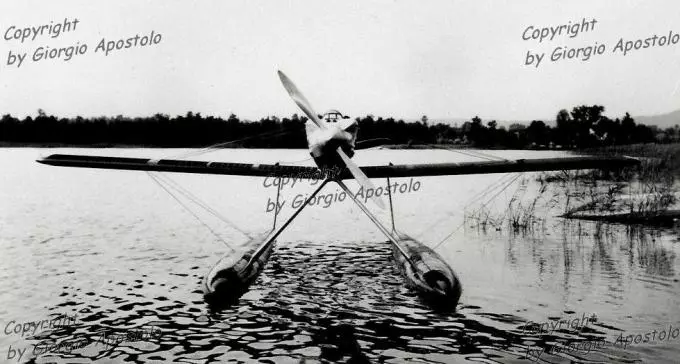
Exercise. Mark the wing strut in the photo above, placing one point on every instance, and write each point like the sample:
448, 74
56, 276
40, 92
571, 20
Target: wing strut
389, 193
276, 207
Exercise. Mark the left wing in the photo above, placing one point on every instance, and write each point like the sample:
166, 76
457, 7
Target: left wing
182, 166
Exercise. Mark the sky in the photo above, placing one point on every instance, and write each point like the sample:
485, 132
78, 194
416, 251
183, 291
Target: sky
443, 59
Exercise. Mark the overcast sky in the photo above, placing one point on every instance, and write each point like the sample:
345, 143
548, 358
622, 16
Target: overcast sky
446, 59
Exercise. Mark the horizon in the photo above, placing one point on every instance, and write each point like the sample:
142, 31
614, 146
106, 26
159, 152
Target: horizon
449, 121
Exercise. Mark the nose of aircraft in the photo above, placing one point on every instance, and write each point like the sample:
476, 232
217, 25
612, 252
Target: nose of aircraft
342, 135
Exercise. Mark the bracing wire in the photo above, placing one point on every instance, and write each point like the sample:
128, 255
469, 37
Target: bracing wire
507, 209
193, 198
479, 195
297, 161
486, 155
508, 184
475, 198
214, 147
467, 153
166, 182
155, 179
474, 153
488, 190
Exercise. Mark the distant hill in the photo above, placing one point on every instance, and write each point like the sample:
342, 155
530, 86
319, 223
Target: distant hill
662, 121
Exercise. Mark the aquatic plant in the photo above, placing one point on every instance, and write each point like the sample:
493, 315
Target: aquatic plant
636, 194
645, 194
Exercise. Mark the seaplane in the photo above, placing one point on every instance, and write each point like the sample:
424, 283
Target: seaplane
332, 142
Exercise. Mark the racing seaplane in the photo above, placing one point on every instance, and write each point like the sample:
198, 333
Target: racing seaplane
331, 142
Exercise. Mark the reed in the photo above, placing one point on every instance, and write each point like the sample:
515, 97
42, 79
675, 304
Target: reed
644, 194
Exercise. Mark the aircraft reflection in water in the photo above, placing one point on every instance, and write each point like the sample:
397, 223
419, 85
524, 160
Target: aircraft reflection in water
332, 142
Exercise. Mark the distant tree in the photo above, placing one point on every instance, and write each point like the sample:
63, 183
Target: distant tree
565, 130
627, 131
584, 126
563, 118
477, 132
584, 118
538, 133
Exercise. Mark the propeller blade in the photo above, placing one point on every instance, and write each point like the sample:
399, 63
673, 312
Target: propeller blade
299, 99
363, 180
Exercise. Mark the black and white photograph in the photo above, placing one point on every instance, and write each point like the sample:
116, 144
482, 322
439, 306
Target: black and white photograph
340, 181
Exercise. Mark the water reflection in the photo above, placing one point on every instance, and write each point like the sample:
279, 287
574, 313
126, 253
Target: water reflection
332, 302
612, 250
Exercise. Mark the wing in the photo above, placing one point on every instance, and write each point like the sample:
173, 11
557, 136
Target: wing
182, 166
507, 166
275, 170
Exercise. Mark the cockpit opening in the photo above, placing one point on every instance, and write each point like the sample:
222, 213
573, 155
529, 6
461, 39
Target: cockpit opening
333, 116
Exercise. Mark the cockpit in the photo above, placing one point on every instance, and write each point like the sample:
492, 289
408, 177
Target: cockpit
333, 116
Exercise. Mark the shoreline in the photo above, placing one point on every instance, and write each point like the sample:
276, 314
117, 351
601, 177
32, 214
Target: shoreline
390, 146
667, 218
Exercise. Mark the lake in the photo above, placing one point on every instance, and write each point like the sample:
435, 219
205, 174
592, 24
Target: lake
119, 255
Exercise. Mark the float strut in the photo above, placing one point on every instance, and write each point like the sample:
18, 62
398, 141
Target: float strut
376, 222
290, 219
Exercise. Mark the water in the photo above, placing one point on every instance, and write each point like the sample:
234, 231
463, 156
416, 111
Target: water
114, 249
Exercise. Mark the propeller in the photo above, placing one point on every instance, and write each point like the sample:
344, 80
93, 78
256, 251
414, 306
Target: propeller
360, 177
306, 107
300, 99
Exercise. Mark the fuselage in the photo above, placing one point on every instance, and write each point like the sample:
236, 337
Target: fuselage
337, 132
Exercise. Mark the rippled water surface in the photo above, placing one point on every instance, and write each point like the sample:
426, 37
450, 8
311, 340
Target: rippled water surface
115, 250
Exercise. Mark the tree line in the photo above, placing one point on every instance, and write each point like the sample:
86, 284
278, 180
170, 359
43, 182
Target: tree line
583, 127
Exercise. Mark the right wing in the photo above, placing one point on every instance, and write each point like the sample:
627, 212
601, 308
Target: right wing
502, 166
